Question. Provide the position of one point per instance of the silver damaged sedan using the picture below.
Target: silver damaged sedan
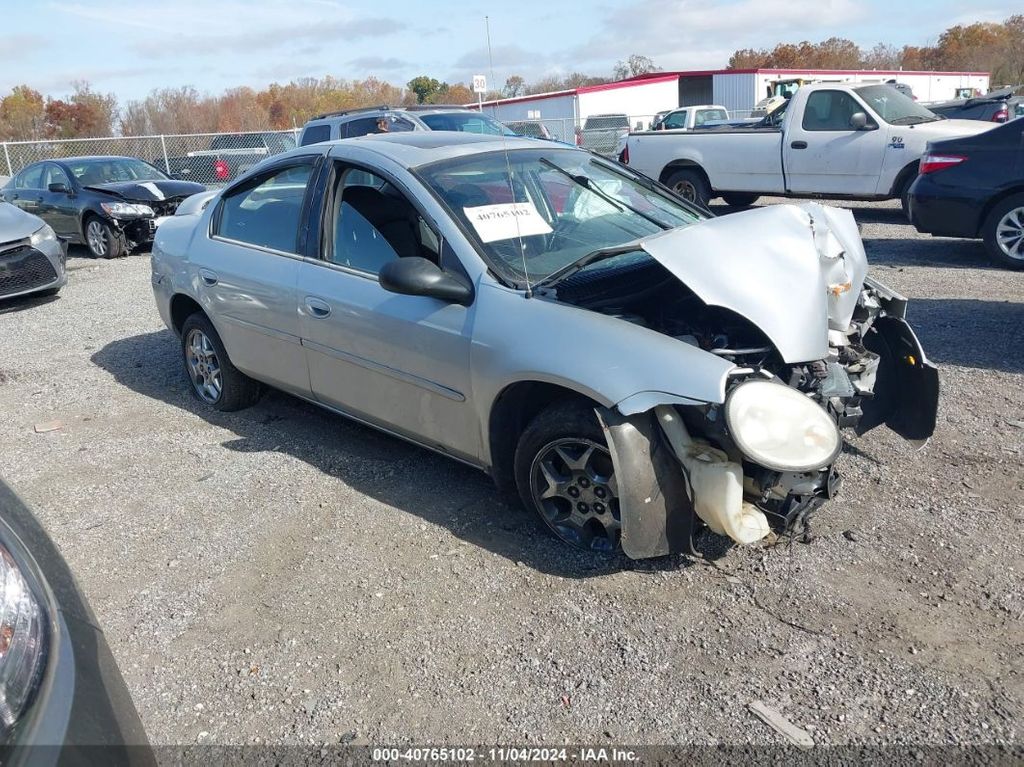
(635, 367)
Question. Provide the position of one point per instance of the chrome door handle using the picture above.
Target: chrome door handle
(208, 277)
(318, 308)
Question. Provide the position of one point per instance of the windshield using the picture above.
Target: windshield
(893, 107)
(469, 122)
(532, 215)
(113, 169)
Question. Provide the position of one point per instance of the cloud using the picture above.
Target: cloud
(270, 38)
(693, 33)
(379, 64)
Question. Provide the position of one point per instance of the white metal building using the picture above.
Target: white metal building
(738, 90)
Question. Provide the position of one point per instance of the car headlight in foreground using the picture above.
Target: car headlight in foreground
(126, 209)
(43, 235)
(779, 428)
(22, 642)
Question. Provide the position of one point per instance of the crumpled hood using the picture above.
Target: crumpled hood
(795, 271)
(16, 224)
(149, 191)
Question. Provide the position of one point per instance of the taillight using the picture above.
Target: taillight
(221, 171)
(1002, 114)
(624, 155)
(579, 137)
(931, 163)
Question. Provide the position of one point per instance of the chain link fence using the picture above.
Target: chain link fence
(216, 158)
(570, 130)
(207, 158)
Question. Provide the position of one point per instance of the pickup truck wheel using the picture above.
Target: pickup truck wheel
(1003, 232)
(102, 240)
(740, 200)
(214, 379)
(564, 472)
(690, 185)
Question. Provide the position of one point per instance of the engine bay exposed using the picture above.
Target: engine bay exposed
(646, 294)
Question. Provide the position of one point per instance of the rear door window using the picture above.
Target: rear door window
(267, 211)
(360, 127)
(314, 134)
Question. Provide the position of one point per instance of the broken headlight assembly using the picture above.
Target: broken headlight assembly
(127, 209)
(22, 642)
(779, 428)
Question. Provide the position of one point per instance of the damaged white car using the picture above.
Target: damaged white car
(635, 368)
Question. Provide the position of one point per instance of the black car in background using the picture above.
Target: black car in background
(110, 204)
(62, 697)
(974, 187)
(997, 106)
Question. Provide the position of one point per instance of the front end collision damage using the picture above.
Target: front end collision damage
(680, 468)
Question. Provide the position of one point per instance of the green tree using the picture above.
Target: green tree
(424, 87)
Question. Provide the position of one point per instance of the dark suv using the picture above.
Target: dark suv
(359, 122)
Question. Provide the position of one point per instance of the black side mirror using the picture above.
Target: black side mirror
(416, 276)
(859, 121)
(59, 188)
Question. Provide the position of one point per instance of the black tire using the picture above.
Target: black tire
(740, 199)
(236, 390)
(585, 512)
(106, 243)
(690, 184)
(1009, 213)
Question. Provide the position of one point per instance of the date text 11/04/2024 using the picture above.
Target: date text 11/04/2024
(505, 754)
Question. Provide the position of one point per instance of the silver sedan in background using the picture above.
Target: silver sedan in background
(32, 259)
(635, 367)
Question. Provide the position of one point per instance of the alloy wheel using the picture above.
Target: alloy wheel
(1010, 233)
(203, 366)
(573, 485)
(96, 235)
(686, 190)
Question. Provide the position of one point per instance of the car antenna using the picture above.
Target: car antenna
(508, 164)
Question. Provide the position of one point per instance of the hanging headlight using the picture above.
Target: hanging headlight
(126, 209)
(22, 642)
(779, 428)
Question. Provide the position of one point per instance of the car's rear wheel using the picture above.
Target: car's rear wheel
(1003, 232)
(690, 185)
(101, 239)
(214, 379)
(740, 200)
(565, 473)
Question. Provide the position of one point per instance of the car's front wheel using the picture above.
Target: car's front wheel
(565, 473)
(101, 239)
(1003, 232)
(214, 379)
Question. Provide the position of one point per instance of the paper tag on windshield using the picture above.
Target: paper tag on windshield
(506, 221)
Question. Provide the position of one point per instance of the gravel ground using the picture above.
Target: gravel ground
(282, 575)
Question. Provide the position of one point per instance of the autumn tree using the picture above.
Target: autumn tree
(633, 66)
(22, 115)
(514, 86)
(882, 56)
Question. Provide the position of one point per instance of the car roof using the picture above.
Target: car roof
(415, 148)
(88, 158)
(355, 114)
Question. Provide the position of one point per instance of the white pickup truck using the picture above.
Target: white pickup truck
(831, 140)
